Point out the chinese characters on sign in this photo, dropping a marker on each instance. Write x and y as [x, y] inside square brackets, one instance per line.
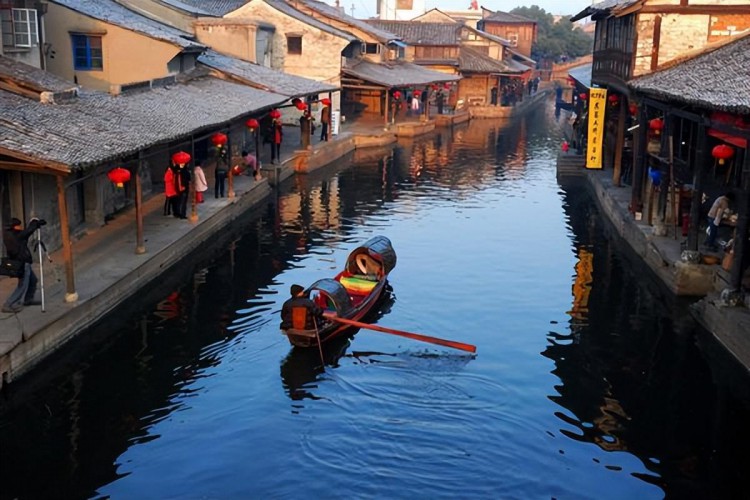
[597, 106]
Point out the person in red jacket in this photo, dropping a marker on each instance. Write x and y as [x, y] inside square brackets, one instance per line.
[169, 191]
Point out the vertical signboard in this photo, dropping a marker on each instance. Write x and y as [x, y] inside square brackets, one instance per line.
[597, 106]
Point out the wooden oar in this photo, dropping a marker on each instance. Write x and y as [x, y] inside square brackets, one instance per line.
[409, 335]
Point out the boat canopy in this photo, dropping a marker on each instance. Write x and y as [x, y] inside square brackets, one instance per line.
[375, 257]
[335, 295]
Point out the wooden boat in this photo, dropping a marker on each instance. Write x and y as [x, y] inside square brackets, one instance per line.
[351, 294]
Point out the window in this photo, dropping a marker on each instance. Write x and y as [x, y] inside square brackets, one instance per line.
[513, 39]
[371, 48]
[294, 44]
[87, 52]
[19, 27]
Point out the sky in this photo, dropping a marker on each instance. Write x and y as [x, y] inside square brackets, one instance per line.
[366, 8]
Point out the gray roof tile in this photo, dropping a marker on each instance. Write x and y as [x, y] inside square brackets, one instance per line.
[267, 78]
[218, 8]
[332, 12]
[508, 18]
[98, 127]
[718, 79]
[417, 33]
[473, 61]
[287, 9]
[112, 12]
[32, 78]
[396, 74]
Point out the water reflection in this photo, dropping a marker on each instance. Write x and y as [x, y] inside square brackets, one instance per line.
[494, 253]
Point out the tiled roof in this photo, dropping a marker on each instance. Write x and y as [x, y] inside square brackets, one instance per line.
[508, 18]
[98, 127]
[396, 74]
[472, 61]
[202, 7]
[718, 79]
[488, 36]
[32, 78]
[605, 7]
[582, 74]
[186, 6]
[331, 12]
[290, 11]
[263, 77]
[112, 12]
[417, 33]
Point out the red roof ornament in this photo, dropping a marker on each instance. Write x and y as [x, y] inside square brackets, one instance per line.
[656, 125]
[722, 152]
[180, 158]
[219, 140]
[119, 176]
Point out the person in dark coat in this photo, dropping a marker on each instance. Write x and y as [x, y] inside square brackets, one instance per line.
[299, 312]
[440, 100]
[16, 241]
[325, 121]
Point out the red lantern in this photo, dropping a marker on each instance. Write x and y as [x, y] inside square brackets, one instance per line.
[565, 147]
[447, 86]
[397, 95]
[180, 158]
[656, 125]
[434, 86]
[219, 140]
[722, 152]
[417, 93]
[301, 106]
[326, 101]
[613, 99]
[583, 96]
[252, 124]
[236, 170]
[633, 108]
[119, 176]
[275, 113]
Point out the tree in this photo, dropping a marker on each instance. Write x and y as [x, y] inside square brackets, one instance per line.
[555, 39]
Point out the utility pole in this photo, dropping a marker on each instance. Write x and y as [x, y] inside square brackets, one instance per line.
[352, 10]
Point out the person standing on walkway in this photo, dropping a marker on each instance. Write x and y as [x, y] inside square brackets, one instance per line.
[424, 98]
[277, 136]
[182, 186]
[220, 175]
[715, 214]
[415, 103]
[200, 182]
[325, 121]
[439, 100]
[305, 128]
[169, 190]
[493, 96]
[16, 241]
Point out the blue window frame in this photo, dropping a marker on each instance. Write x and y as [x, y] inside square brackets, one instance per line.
[87, 52]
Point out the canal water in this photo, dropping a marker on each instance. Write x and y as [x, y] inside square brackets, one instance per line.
[587, 382]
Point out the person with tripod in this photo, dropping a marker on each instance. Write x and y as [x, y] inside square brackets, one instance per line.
[16, 241]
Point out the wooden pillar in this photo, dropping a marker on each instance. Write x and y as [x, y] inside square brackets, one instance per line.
[230, 174]
[701, 159]
[387, 107]
[330, 116]
[619, 143]
[62, 205]
[636, 198]
[743, 225]
[140, 247]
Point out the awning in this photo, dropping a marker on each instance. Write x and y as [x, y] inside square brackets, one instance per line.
[728, 138]
[396, 74]
[398, 43]
[582, 74]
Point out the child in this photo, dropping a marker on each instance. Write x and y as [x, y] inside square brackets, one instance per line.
[200, 182]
